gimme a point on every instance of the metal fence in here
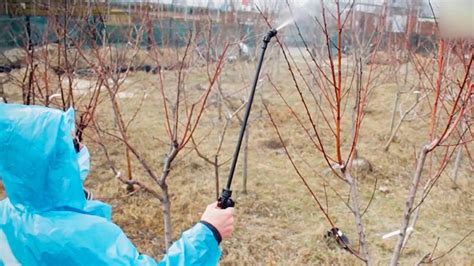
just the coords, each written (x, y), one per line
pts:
(19, 31)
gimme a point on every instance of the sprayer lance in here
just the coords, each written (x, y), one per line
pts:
(225, 199)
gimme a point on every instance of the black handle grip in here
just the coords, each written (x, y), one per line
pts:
(225, 200)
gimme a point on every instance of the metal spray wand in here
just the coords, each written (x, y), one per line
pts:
(225, 199)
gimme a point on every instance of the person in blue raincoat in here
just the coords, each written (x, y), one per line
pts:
(47, 220)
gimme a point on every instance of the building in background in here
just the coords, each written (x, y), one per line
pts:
(406, 22)
(171, 19)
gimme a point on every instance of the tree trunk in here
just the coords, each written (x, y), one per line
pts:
(457, 164)
(358, 218)
(166, 202)
(130, 187)
(394, 112)
(166, 205)
(457, 161)
(415, 216)
(219, 101)
(409, 205)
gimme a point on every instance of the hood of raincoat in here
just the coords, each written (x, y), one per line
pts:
(38, 163)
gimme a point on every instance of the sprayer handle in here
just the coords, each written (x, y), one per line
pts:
(225, 199)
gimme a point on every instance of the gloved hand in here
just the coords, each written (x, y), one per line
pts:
(221, 219)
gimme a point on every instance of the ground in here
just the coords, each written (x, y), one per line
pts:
(277, 222)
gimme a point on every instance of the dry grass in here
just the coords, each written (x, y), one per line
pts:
(277, 222)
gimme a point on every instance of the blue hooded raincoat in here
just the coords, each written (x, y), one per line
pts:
(46, 220)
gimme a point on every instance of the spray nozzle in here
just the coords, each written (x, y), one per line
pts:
(272, 33)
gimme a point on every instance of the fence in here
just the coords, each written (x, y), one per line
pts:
(19, 31)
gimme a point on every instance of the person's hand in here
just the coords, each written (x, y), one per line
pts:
(221, 219)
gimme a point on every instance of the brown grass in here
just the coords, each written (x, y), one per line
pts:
(277, 222)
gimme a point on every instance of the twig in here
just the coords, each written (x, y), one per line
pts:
(453, 247)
